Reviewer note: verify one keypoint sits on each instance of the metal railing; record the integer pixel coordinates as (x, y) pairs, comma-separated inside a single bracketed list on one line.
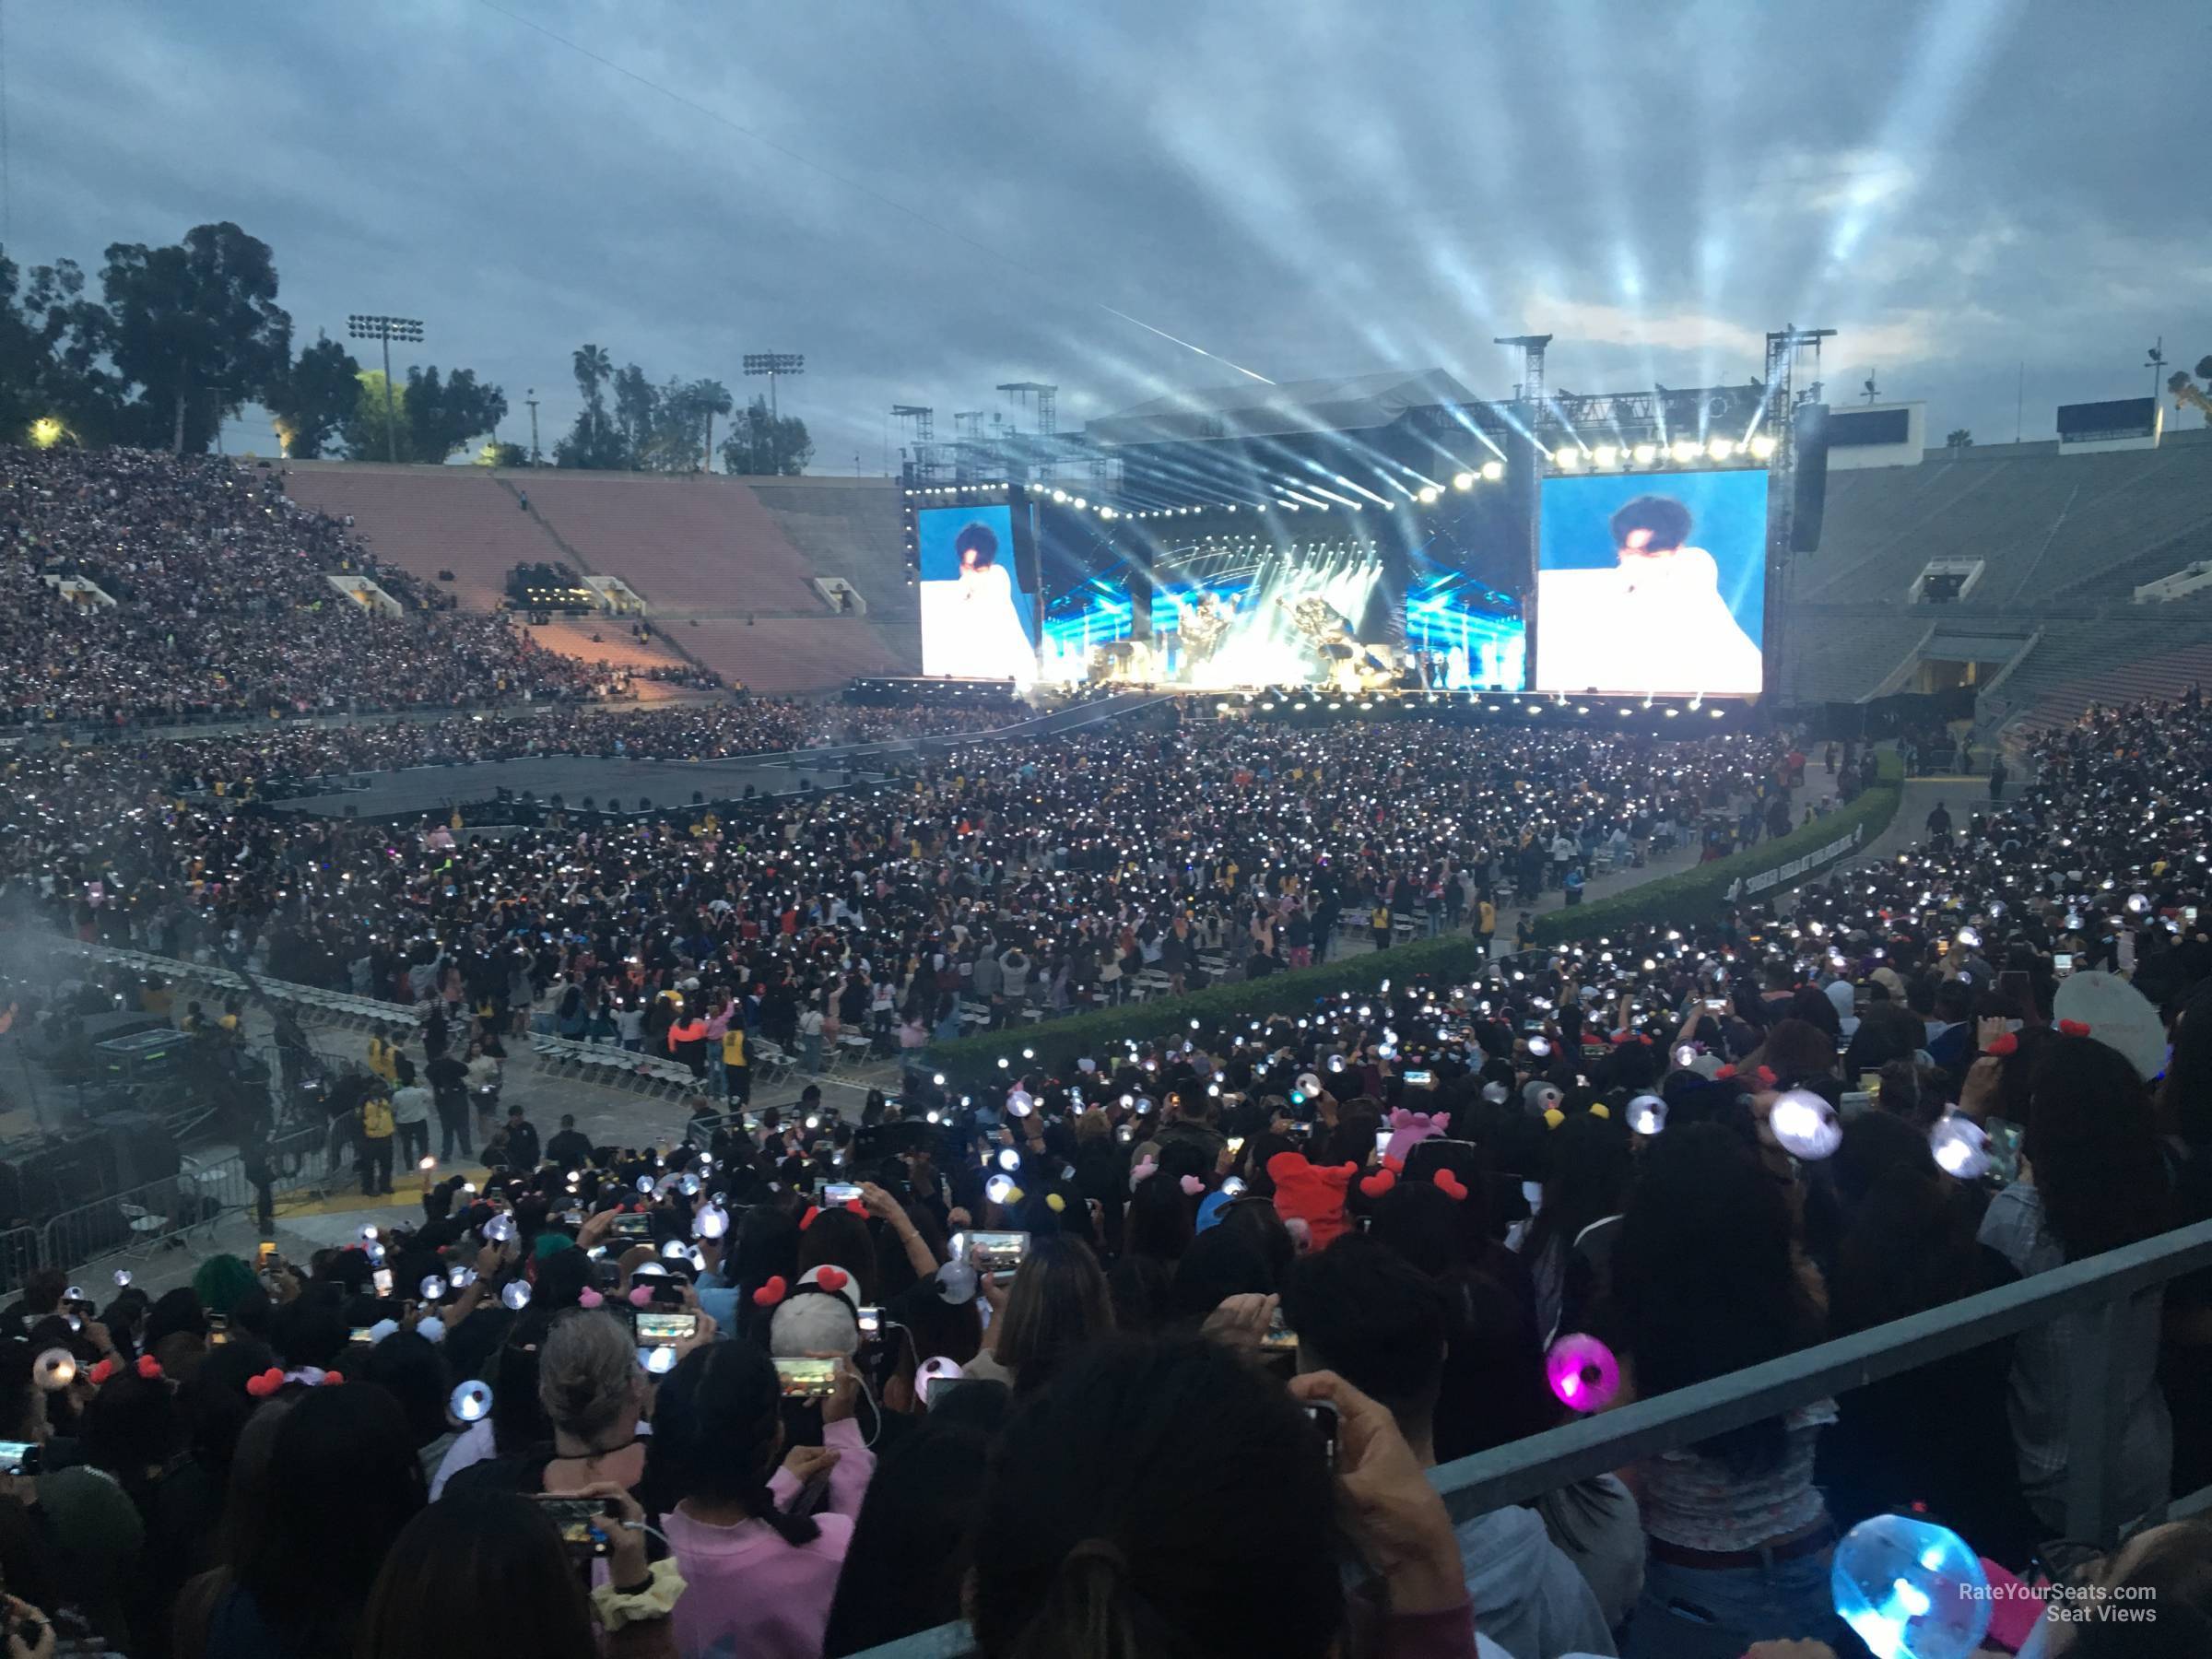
[(2100, 1285), (146, 1218)]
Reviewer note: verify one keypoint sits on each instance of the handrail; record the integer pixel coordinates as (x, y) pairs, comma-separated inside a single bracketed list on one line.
[(1528, 1468)]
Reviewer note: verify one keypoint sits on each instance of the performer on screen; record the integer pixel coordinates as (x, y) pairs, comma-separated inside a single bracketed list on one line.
[(994, 643), (1203, 629), (1656, 621)]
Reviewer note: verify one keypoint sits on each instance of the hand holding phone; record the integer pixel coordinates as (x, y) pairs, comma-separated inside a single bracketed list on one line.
[(1396, 1514)]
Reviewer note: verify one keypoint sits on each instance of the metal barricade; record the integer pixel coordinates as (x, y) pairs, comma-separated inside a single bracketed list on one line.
[(157, 1216), (19, 1253)]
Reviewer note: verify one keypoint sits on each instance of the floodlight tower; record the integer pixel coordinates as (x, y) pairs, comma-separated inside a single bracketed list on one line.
[(407, 331)]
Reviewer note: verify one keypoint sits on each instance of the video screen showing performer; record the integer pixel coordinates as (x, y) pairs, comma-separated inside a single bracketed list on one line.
[(1468, 575), (977, 622), (1652, 585)]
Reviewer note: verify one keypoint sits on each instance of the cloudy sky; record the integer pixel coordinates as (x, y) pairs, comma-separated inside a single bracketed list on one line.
[(928, 198)]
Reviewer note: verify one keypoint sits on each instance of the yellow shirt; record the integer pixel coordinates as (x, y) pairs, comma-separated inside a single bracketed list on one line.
[(732, 1046)]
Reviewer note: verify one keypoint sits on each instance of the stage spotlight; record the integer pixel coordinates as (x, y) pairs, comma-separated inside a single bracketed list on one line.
[(1105, 512), (1762, 446), (1060, 495), (1605, 454), (1430, 493), (1464, 480), (1684, 449), (1719, 448), (1567, 457), (1079, 502), (1646, 453), (1493, 470)]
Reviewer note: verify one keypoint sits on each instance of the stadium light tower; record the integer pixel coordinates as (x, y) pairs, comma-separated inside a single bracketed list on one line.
[(407, 331), (774, 363)]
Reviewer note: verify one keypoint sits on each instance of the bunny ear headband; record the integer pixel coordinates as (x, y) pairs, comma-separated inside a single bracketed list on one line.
[(307, 1376), (148, 1367)]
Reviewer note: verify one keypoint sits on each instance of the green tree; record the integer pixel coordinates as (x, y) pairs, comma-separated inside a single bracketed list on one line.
[(2186, 391), (637, 409), (196, 328), (1959, 437), (365, 428), (762, 446), (442, 416), (594, 367), (494, 453), (314, 398), (710, 399)]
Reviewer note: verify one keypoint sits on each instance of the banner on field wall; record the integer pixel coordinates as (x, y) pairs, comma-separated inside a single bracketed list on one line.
[(1748, 887)]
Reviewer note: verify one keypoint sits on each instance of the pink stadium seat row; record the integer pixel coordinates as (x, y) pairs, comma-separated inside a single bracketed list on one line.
[(687, 544), (431, 518)]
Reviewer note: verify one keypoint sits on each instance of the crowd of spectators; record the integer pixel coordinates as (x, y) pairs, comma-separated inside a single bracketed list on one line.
[(804, 1398), (219, 602), (1048, 872), (268, 761), (785, 1388)]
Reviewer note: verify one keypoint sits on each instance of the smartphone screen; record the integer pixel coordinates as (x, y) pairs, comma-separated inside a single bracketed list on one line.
[(2062, 963), (1322, 1416), (2004, 1149), (1280, 1338), (659, 1330), (18, 1457), (363, 1335), (840, 1192), (1001, 1253), (807, 1379), (1420, 1079), (381, 1279), (1382, 1141), (871, 1323), (631, 1226), (580, 1522)]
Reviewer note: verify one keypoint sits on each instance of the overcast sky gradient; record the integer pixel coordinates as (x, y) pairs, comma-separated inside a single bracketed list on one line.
[(1958, 186)]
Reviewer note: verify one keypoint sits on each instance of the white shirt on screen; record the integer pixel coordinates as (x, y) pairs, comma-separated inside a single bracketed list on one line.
[(1647, 625), (971, 629)]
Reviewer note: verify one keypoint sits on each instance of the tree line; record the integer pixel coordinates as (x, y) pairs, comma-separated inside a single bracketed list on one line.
[(169, 342)]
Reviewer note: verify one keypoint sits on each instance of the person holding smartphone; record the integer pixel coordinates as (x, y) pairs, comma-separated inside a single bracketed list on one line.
[(760, 1578), (1081, 1548)]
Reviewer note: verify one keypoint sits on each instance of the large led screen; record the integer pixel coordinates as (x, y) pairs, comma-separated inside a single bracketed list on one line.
[(1651, 584), (977, 621)]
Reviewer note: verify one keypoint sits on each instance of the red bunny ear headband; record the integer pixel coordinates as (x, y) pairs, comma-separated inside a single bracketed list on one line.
[(307, 1376), (148, 1367), (1386, 1178)]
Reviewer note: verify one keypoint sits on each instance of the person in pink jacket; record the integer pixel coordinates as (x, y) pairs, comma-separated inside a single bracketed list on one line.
[(759, 1568)]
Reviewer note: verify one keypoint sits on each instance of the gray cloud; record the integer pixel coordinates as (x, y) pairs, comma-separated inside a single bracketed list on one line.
[(1960, 187)]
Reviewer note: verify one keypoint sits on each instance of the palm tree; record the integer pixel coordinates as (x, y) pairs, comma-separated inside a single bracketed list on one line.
[(592, 368), (712, 398)]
